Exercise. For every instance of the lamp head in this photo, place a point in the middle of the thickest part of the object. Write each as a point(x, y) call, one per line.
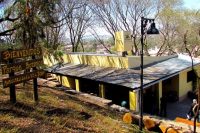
point(152, 29)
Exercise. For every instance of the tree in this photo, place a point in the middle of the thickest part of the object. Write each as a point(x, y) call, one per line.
point(7, 19)
point(117, 15)
point(28, 19)
point(168, 19)
point(78, 19)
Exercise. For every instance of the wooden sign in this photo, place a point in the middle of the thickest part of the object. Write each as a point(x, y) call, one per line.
point(16, 67)
point(13, 54)
point(21, 78)
point(8, 56)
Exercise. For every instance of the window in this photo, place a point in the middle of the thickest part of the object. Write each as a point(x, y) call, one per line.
point(190, 76)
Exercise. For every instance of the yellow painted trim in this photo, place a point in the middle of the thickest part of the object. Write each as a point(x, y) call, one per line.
point(77, 83)
point(68, 82)
point(102, 90)
point(132, 100)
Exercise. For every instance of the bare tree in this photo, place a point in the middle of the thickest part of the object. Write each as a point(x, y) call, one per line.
point(78, 19)
point(117, 15)
point(168, 17)
point(8, 18)
point(100, 40)
point(106, 15)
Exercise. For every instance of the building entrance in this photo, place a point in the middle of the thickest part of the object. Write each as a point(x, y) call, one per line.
point(151, 100)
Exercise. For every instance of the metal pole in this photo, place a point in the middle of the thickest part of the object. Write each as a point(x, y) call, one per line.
point(141, 75)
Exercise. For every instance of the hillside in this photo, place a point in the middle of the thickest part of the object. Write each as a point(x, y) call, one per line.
point(56, 111)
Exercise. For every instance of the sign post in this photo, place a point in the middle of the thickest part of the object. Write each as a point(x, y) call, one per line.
point(35, 85)
point(12, 86)
point(12, 67)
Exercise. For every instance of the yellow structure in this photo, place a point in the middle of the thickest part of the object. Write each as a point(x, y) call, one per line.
point(102, 90)
point(97, 60)
point(176, 83)
point(133, 105)
point(186, 86)
point(183, 83)
point(77, 83)
point(172, 82)
point(104, 60)
point(68, 82)
point(123, 41)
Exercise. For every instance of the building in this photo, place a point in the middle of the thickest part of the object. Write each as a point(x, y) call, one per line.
point(118, 78)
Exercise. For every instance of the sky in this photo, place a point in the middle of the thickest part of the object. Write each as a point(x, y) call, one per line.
point(192, 4)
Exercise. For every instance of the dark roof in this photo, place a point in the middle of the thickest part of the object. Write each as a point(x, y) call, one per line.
point(125, 77)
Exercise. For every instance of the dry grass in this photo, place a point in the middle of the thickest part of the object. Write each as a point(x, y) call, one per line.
point(56, 112)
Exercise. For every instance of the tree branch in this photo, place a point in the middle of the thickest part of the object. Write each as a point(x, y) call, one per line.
point(7, 32)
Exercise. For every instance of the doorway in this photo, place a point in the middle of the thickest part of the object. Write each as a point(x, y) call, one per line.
point(170, 88)
point(151, 100)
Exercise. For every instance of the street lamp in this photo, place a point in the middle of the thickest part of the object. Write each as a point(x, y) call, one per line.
point(151, 30)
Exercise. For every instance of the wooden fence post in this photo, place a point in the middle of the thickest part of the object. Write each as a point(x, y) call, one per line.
point(35, 84)
point(12, 86)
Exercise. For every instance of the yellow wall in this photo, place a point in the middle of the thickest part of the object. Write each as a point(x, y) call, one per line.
point(97, 60)
point(68, 82)
point(77, 84)
point(133, 100)
point(110, 61)
point(103, 60)
point(119, 41)
point(123, 41)
point(197, 70)
point(184, 87)
point(49, 60)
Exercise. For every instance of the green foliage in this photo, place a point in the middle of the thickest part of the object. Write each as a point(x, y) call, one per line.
point(178, 27)
point(22, 2)
point(5, 46)
point(34, 16)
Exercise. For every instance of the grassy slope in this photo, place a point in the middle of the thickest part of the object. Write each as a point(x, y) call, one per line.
point(55, 112)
